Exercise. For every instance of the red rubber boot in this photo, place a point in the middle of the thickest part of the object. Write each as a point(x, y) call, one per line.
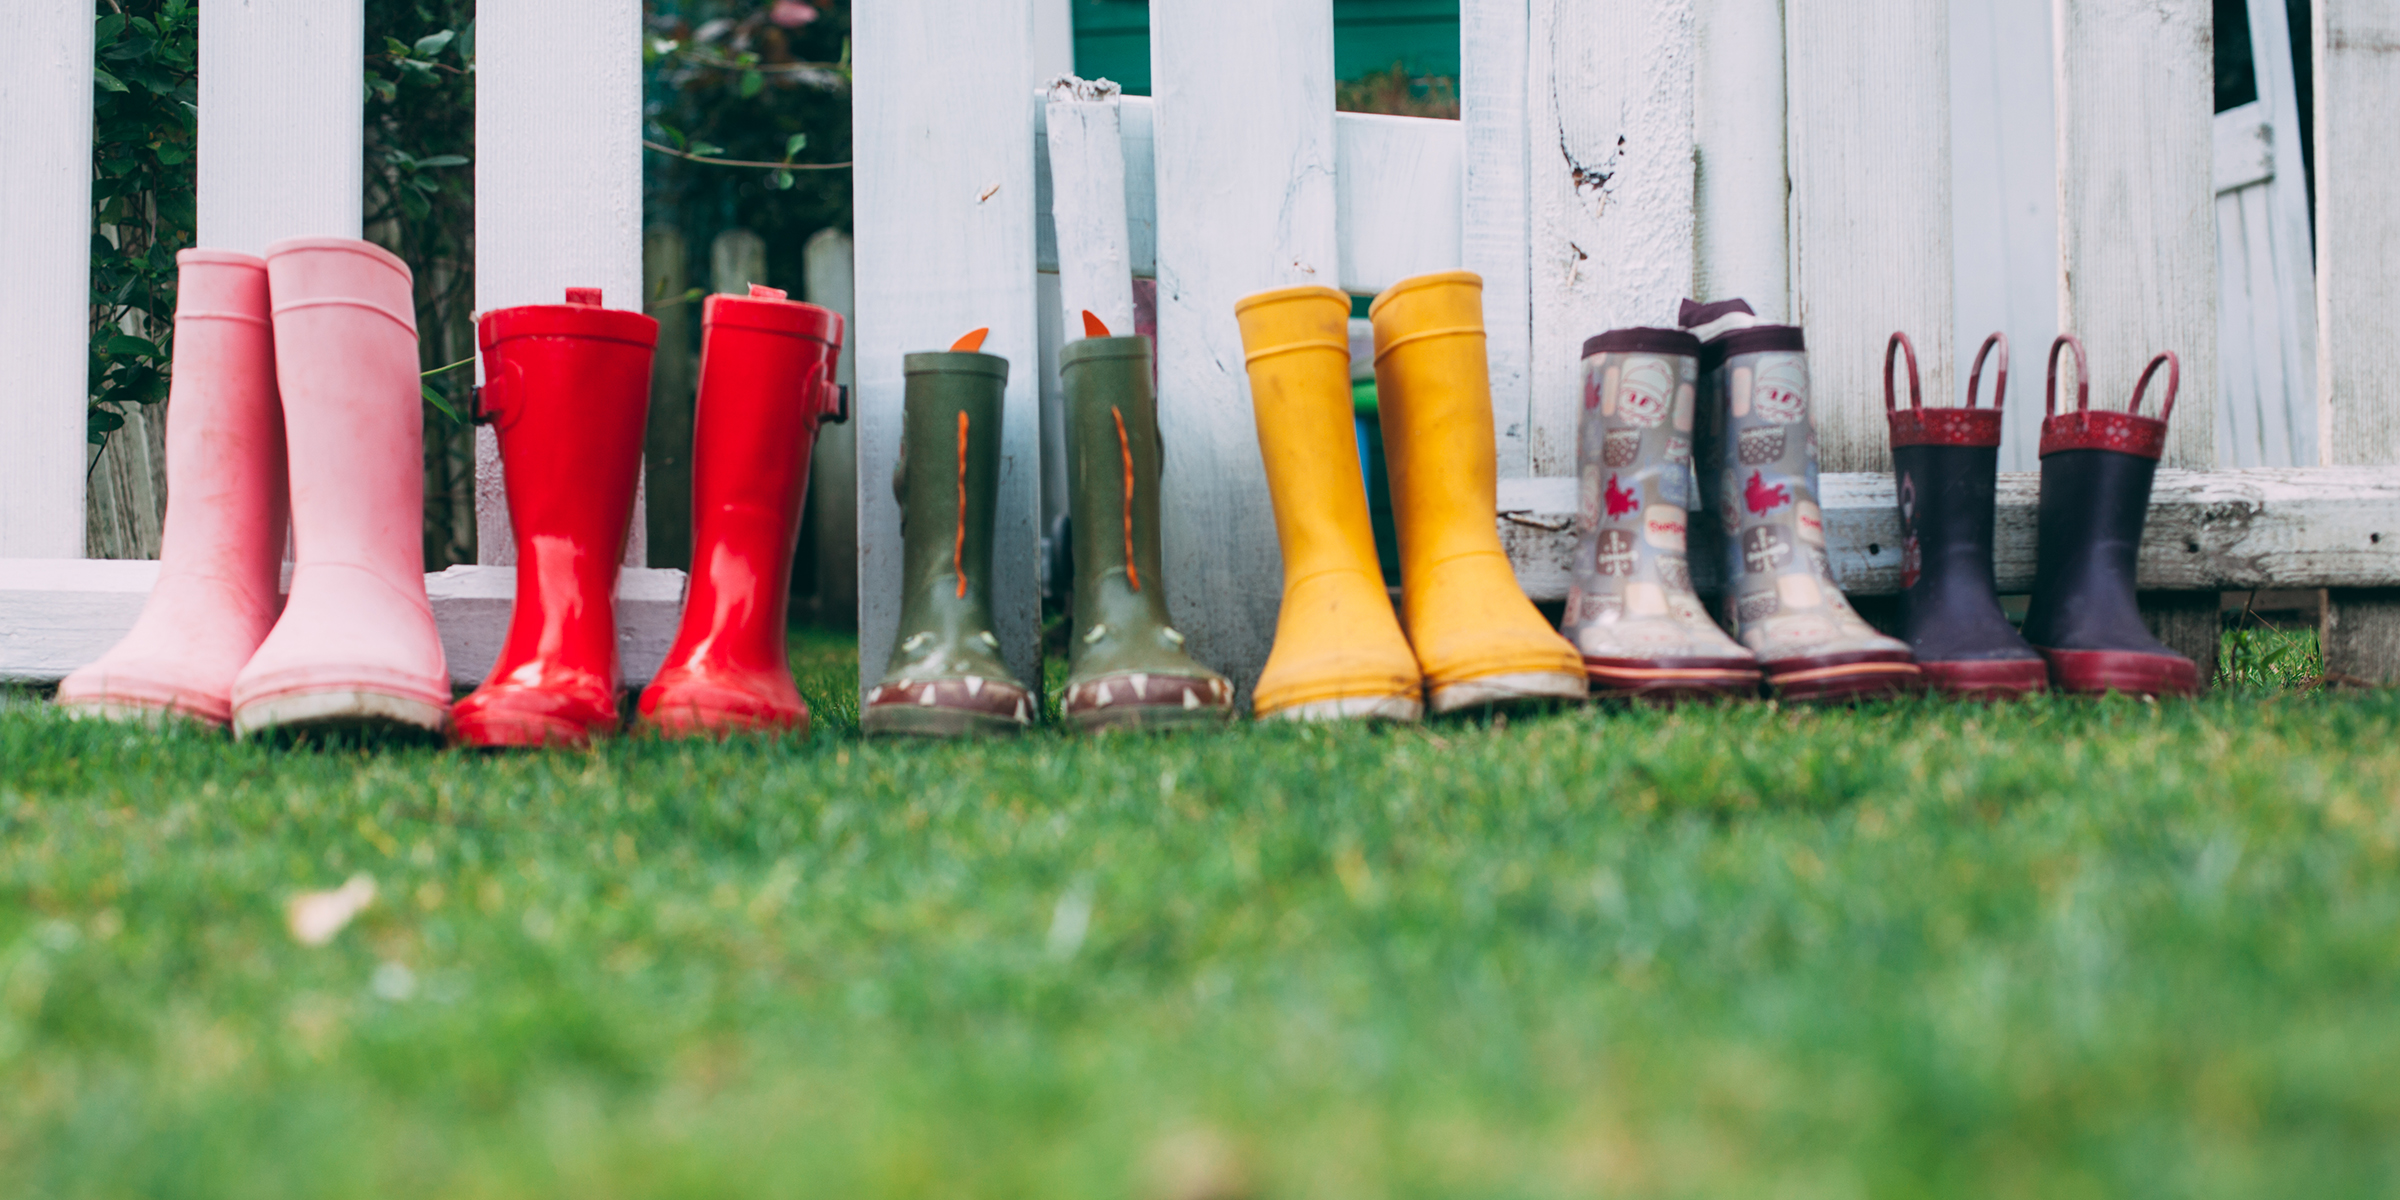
point(567, 387)
point(766, 383)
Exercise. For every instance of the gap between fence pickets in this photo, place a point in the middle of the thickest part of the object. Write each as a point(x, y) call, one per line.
point(64, 613)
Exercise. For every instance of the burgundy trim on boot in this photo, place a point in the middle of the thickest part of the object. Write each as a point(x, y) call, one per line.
point(1844, 676)
point(1642, 341)
point(1670, 679)
point(1992, 678)
point(2126, 432)
point(2091, 672)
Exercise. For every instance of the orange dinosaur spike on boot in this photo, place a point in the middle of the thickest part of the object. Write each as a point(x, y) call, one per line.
point(1093, 326)
point(972, 340)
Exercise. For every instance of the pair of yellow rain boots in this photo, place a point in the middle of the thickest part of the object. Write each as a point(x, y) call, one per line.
point(1472, 638)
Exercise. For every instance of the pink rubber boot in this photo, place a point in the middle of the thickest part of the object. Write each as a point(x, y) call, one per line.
point(221, 551)
point(356, 646)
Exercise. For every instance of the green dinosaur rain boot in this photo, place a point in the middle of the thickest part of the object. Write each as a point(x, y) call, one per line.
point(1127, 665)
point(946, 677)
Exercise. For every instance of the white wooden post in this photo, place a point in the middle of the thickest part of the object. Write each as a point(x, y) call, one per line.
point(1742, 249)
point(944, 195)
point(2358, 295)
point(1494, 208)
point(1246, 202)
point(45, 273)
point(1609, 93)
point(2004, 194)
point(558, 184)
point(1087, 204)
point(830, 282)
point(2137, 227)
point(1870, 155)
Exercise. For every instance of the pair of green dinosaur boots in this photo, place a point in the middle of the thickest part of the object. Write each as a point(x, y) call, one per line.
point(1127, 667)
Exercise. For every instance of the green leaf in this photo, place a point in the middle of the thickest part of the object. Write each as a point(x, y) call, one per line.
point(441, 405)
point(710, 149)
point(126, 343)
point(395, 47)
point(443, 160)
point(106, 81)
point(108, 29)
point(466, 44)
point(783, 180)
point(752, 83)
point(794, 145)
point(432, 44)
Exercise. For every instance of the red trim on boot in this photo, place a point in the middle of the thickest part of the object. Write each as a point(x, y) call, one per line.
point(1844, 676)
point(1991, 678)
point(2092, 672)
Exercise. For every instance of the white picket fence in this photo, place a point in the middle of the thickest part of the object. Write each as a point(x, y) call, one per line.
point(1613, 157)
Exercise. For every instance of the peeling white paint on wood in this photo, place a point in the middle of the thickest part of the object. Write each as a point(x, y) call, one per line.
point(1141, 188)
point(2136, 219)
point(1494, 211)
point(1086, 141)
point(944, 194)
point(558, 185)
point(1397, 190)
point(1246, 202)
point(1609, 94)
point(45, 273)
point(2207, 531)
point(60, 615)
point(1741, 228)
point(1870, 163)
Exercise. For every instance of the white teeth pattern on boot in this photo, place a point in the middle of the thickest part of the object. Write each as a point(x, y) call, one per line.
point(875, 693)
point(1172, 636)
point(1021, 712)
point(990, 639)
point(974, 685)
point(1104, 697)
point(928, 696)
point(1190, 699)
point(1141, 687)
point(1097, 632)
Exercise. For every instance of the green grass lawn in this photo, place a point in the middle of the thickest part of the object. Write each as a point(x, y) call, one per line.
point(2056, 949)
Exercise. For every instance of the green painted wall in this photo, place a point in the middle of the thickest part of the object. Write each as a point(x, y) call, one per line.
point(1112, 38)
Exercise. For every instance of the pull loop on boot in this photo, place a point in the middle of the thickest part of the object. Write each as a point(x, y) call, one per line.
point(221, 545)
point(1631, 611)
point(1945, 464)
point(2096, 473)
point(947, 678)
point(1781, 598)
point(1478, 640)
point(1127, 666)
point(1339, 652)
point(567, 387)
point(356, 646)
point(766, 383)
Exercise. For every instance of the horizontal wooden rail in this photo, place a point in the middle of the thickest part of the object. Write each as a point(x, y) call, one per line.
point(2266, 527)
point(56, 614)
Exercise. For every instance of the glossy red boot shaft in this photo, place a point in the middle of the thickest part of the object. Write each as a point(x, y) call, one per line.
point(221, 550)
point(766, 384)
point(567, 390)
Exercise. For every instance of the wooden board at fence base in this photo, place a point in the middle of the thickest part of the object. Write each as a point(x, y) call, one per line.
point(2358, 292)
point(2208, 531)
point(63, 613)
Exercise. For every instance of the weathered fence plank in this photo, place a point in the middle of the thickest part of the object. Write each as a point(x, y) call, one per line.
point(1415, 158)
point(2137, 227)
point(1085, 135)
point(1609, 88)
point(1494, 210)
point(280, 121)
point(945, 227)
point(1870, 162)
point(1246, 202)
point(1740, 230)
point(45, 273)
point(2357, 44)
point(826, 261)
point(558, 185)
point(667, 443)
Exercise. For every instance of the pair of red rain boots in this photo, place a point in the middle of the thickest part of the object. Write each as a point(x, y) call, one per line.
point(567, 389)
point(295, 392)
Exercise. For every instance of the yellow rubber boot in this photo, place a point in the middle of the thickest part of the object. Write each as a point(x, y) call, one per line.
point(1478, 639)
point(1338, 648)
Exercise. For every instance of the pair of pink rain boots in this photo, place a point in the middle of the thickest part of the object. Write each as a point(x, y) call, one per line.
point(295, 392)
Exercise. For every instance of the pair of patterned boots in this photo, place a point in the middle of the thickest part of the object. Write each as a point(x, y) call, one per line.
point(294, 392)
point(1126, 668)
point(1734, 391)
point(2083, 630)
point(1465, 636)
point(566, 387)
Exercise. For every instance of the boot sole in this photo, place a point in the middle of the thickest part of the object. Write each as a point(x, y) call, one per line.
point(1530, 687)
point(1151, 718)
point(1400, 709)
point(1988, 679)
point(139, 712)
point(2094, 672)
point(1668, 685)
point(522, 733)
point(929, 721)
point(1838, 682)
point(685, 720)
point(365, 712)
